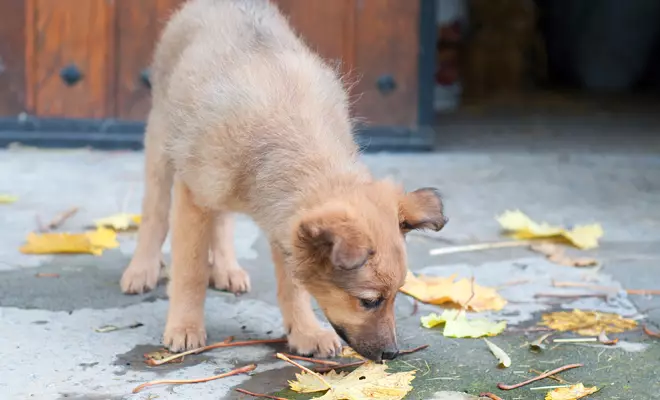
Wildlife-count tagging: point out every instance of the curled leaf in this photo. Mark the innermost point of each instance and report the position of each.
(119, 222)
(573, 392)
(538, 345)
(504, 359)
(524, 228)
(458, 326)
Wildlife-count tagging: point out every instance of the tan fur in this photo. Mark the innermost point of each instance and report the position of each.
(246, 119)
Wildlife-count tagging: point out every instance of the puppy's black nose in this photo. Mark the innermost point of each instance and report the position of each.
(390, 354)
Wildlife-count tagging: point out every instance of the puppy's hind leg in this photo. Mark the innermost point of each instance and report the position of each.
(191, 234)
(226, 274)
(144, 269)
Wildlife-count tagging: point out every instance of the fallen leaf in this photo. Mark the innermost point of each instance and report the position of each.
(458, 326)
(504, 359)
(603, 339)
(119, 222)
(538, 345)
(557, 255)
(7, 199)
(369, 381)
(587, 323)
(111, 328)
(524, 228)
(348, 352)
(573, 392)
(91, 242)
(161, 355)
(439, 290)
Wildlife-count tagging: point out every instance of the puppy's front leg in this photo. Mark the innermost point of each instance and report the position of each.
(191, 232)
(305, 334)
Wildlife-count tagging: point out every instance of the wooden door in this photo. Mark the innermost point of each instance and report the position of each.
(90, 58)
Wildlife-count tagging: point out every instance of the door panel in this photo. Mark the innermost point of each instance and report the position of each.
(328, 27)
(12, 57)
(78, 35)
(144, 20)
(387, 52)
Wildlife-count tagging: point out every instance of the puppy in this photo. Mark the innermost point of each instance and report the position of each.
(246, 119)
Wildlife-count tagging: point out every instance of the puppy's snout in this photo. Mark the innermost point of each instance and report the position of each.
(390, 354)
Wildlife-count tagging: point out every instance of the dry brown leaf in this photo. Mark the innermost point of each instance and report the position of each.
(587, 323)
(573, 392)
(439, 290)
(369, 381)
(557, 255)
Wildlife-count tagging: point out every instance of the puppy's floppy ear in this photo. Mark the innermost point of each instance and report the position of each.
(421, 209)
(332, 233)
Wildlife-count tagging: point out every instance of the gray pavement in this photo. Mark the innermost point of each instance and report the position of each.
(50, 349)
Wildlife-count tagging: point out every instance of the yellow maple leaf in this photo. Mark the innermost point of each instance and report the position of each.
(7, 199)
(348, 352)
(458, 326)
(439, 290)
(524, 228)
(369, 381)
(92, 242)
(120, 222)
(573, 392)
(587, 323)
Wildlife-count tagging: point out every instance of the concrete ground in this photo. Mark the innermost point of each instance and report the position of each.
(50, 349)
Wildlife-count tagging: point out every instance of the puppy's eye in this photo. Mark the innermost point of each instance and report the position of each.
(370, 304)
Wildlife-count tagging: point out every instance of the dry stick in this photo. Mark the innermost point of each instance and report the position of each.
(538, 378)
(308, 359)
(319, 377)
(642, 292)
(554, 378)
(570, 296)
(491, 396)
(242, 370)
(650, 332)
(211, 347)
(261, 395)
(61, 218)
(465, 305)
(415, 307)
(358, 363)
(478, 246)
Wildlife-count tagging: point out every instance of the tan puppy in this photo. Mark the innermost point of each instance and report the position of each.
(247, 119)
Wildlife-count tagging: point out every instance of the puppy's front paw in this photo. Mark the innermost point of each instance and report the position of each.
(181, 338)
(141, 276)
(235, 279)
(321, 343)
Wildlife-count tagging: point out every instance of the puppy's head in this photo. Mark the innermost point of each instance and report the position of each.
(350, 255)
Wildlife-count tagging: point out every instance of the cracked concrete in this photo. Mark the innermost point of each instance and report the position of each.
(50, 349)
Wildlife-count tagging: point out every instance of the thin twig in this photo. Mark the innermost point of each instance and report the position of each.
(538, 378)
(570, 296)
(513, 283)
(242, 370)
(154, 363)
(478, 246)
(641, 292)
(263, 396)
(549, 387)
(415, 307)
(61, 218)
(323, 370)
(554, 378)
(491, 396)
(575, 340)
(650, 332)
(308, 359)
(465, 305)
(358, 363)
(319, 377)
